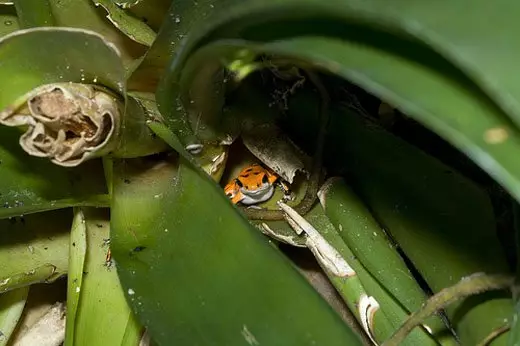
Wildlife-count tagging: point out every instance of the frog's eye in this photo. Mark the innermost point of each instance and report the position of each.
(239, 183)
(229, 194)
(265, 179)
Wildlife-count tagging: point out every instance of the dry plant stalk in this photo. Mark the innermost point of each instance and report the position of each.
(66, 122)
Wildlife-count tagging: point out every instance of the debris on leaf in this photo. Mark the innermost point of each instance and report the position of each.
(49, 330)
(268, 143)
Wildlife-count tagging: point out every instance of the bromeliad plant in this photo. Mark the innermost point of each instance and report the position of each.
(122, 121)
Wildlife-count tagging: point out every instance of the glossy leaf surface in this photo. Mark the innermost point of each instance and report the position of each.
(34, 248)
(29, 184)
(102, 314)
(174, 231)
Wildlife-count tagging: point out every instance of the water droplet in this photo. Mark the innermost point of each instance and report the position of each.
(177, 20)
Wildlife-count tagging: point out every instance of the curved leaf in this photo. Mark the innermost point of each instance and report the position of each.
(82, 56)
(29, 184)
(12, 304)
(182, 17)
(468, 41)
(489, 141)
(442, 221)
(174, 231)
(400, 71)
(34, 248)
(33, 13)
(102, 313)
(66, 14)
(77, 254)
(129, 25)
(8, 19)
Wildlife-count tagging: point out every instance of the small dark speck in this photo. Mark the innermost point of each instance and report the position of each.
(1, 334)
(45, 248)
(99, 225)
(85, 273)
(73, 244)
(75, 280)
(138, 249)
(127, 181)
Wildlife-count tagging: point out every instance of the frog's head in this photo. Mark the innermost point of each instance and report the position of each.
(254, 184)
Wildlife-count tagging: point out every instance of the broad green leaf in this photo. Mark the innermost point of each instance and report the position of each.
(486, 52)
(483, 140)
(181, 18)
(34, 13)
(173, 230)
(29, 184)
(72, 55)
(102, 313)
(83, 14)
(35, 248)
(369, 67)
(12, 304)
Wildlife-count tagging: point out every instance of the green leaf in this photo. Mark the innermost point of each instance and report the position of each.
(35, 248)
(102, 313)
(77, 253)
(34, 13)
(31, 184)
(467, 42)
(465, 117)
(173, 230)
(360, 43)
(389, 313)
(85, 57)
(132, 27)
(441, 220)
(181, 18)
(8, 19)
(378, 256)
(152, 12)
(66, 14)
(12, 304)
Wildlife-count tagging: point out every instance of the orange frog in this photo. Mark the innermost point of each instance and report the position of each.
(254, 184)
